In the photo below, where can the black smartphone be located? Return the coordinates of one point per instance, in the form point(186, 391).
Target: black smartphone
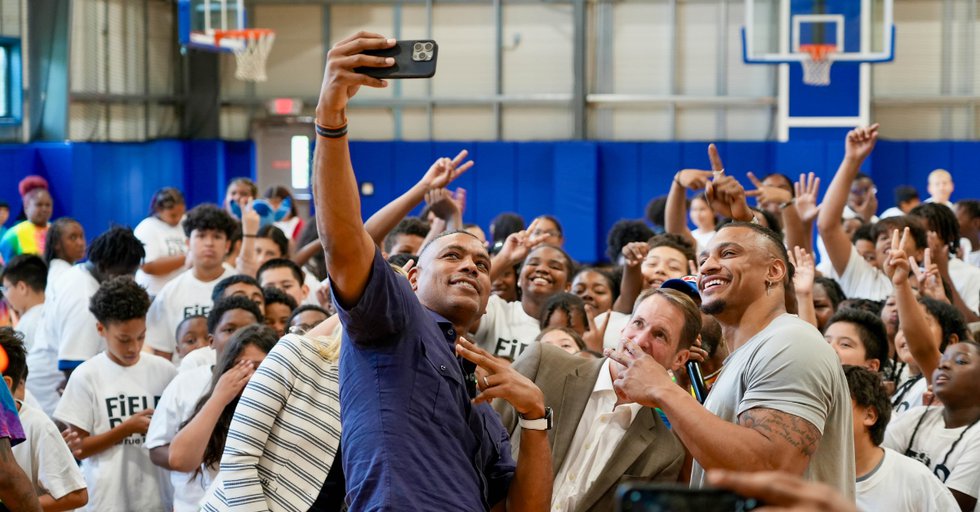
point(413, 59)
point(650, 497)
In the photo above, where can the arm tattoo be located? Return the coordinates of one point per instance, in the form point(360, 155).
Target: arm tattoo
point(773, 424)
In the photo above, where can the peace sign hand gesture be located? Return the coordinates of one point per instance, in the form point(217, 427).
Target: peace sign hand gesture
point(500, 380)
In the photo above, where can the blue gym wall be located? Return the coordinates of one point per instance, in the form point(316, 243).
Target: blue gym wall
point(587, 185)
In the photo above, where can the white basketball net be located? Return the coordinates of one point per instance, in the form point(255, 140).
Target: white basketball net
point(252, 57)
point(817, 61)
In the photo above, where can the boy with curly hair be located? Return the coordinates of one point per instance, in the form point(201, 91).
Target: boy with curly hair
point(209, 230)
point(109, 401)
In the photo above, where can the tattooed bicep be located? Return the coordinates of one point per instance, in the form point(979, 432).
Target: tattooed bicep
point(781, 427)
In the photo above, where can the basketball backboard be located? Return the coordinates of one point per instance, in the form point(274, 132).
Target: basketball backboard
point(778, 31)
point(198, 21)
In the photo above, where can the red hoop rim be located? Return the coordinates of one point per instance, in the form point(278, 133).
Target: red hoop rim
point(244, 33)
point(819, 51)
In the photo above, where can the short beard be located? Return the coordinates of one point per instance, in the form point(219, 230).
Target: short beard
point(714, 308)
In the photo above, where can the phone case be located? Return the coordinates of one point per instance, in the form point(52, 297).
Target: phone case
point(413, 59)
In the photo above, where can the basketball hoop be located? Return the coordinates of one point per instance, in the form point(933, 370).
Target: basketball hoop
point(817, 62)
point(252, 51)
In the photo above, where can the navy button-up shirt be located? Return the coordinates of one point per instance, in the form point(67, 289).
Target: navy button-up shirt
point(411, 438)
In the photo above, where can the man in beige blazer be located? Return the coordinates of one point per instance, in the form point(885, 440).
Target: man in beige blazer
point(588, 461)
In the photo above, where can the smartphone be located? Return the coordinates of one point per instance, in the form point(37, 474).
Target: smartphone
point(650, 497)
point(413, 59)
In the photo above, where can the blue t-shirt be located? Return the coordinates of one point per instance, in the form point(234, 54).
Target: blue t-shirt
point(411, 438)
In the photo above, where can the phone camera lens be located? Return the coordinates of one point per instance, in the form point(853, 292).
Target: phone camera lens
point(427, 47)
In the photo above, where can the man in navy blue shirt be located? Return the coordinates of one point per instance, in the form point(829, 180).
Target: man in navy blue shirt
point(413, 438)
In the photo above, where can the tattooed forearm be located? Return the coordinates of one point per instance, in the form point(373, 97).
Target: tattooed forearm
point(782, 427)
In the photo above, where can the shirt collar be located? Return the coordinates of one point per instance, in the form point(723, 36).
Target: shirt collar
point(604, 385)
point(445, 326)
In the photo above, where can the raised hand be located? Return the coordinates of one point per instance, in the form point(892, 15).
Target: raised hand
point(727, 197)
point(250, 219)
point(897, 262)
point(634, 253)
point(442, 203)
point(499, 380)
point(860, 142)
point(340, 82)
point(804, 270)
point(443, 171)
point(595, 336)
point(518, 245)
point(693, 179)
point(930, 284)
point(231, 384)
point(766, 194)
point(807, 189)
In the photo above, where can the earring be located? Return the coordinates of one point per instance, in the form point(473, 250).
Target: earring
point(768, 287)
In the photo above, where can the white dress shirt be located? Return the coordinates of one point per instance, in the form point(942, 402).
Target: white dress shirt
point(600, 430)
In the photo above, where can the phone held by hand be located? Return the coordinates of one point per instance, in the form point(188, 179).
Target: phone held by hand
point(651, 497)
point(413, 59)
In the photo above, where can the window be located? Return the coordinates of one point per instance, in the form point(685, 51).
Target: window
point(301, 162)
point(11, 98)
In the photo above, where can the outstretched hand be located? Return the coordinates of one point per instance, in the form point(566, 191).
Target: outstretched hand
point(804, 270)
point(499, 380)
point(518, 245)
point(860, 141)
point(641, 376)
point(807, 189)
point(897, 264)
point(444, 171)
point(766, 194)
point(340, 82)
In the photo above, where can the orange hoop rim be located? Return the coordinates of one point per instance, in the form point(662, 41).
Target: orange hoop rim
point(819, 51)
point(243, 33)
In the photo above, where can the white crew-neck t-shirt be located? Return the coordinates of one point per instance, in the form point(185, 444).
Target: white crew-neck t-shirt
point(159, 241)
point(101, 395)
point(44, 456)
point(182, 297)
point(901, 484)
point(177, 406)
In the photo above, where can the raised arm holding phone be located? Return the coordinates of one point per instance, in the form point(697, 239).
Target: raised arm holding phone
point(412, 437)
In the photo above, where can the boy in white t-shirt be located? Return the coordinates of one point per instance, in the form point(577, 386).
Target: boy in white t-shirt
point(886, 479)
point(44, 456)
point(24, 279)
point(946, 439)
point(164, 240)
point(181, 396)
point(68, 335)
point(109, 401)
point(209, 229)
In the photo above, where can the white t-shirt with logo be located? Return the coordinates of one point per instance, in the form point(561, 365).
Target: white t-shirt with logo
point(900, 484)
point(159, 241)
point(911, 397)
point(182, 297)
point(505, 329)
point(931, 446)
point(67, 332)
point(44, 456)
point(101, 395)
point(176, 406)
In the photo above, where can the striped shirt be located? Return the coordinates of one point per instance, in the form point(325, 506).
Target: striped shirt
point(284, 436)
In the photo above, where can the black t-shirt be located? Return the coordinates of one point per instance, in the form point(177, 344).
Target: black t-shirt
point(331, 497)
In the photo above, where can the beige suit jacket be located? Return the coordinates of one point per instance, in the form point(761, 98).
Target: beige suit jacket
point(648, 451)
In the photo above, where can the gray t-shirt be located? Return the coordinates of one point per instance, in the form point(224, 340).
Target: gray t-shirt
point(790, 368)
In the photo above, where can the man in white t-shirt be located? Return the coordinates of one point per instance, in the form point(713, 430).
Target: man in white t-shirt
point(781, 400)
point(24, 280)
point(209, 230)
point(108, 403)
point(164, 240)
point(68, 335)
point(858, 278)
point(940, 187)
point(507, 328)
point(886, 479)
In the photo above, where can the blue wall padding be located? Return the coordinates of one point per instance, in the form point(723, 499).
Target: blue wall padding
point(587, 185)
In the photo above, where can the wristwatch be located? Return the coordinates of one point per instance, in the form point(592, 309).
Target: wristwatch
point(538, 424)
